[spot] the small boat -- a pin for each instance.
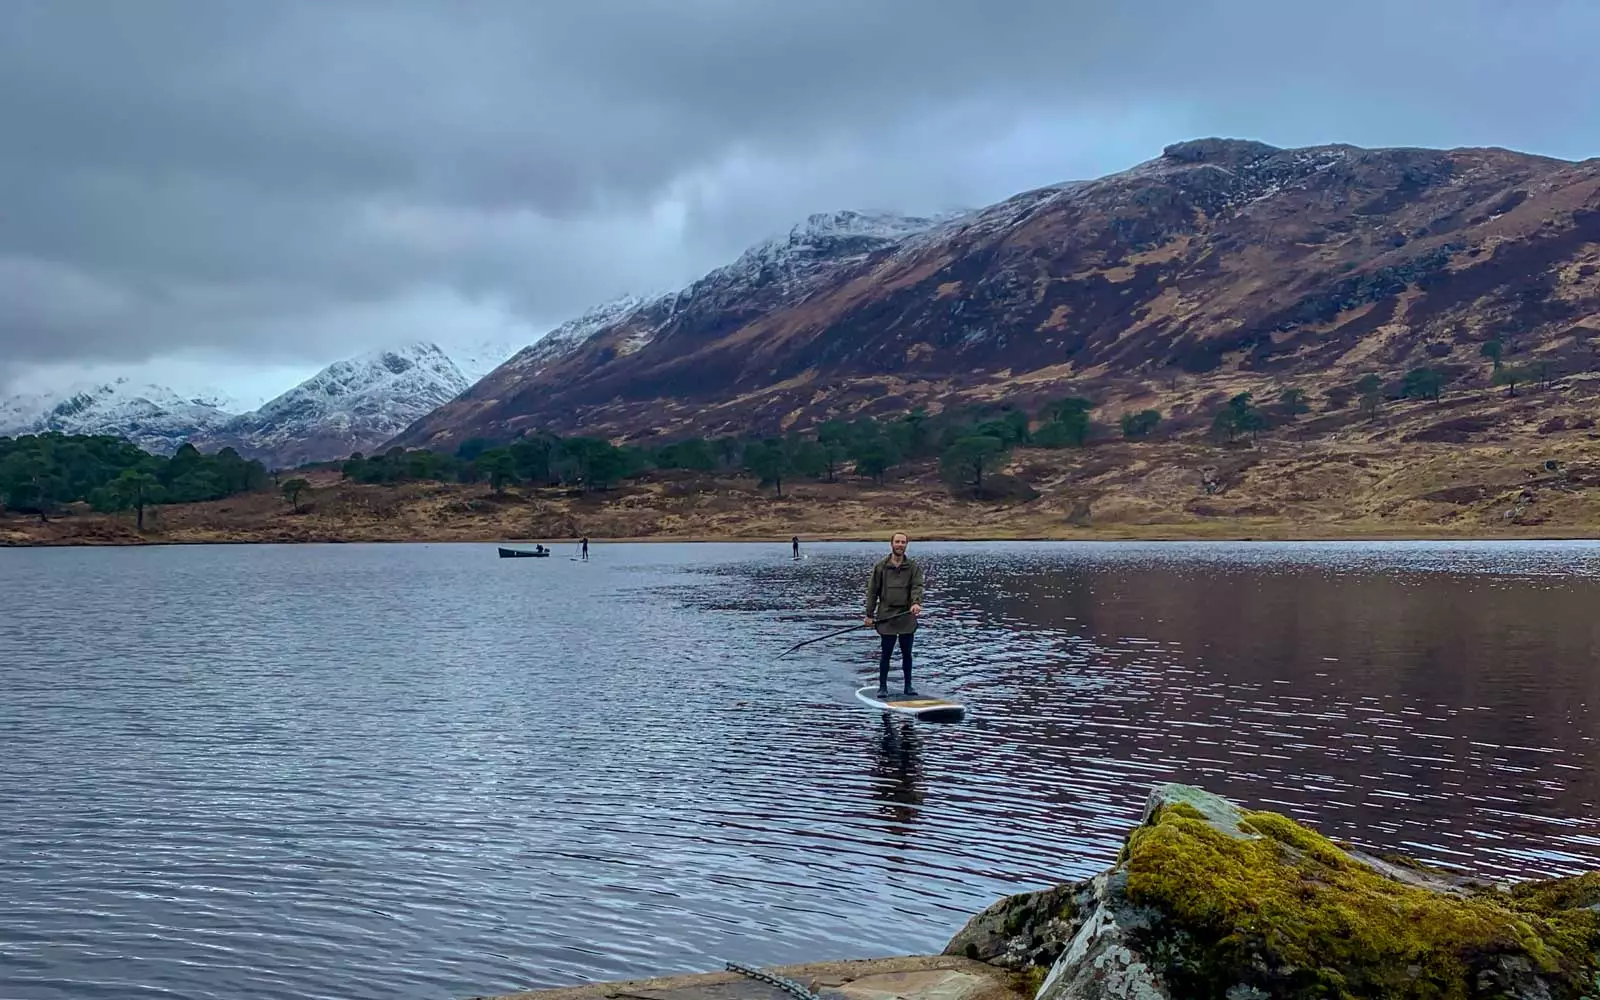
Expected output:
(540, 553)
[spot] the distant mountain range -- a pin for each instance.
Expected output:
(351, 405)
(1229, 262)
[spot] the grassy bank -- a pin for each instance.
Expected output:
(1118, 491)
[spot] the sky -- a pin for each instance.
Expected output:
(230, 194)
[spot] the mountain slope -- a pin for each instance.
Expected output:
(351, 405)
(1229, 261)
(769, 275)
(153, 417)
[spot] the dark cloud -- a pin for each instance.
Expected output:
(289, 179)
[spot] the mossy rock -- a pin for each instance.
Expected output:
(1255, 903)
(1209, 900)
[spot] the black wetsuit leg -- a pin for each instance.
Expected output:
(885, 649)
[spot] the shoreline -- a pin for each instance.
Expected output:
(909, 977)
(1217, 533)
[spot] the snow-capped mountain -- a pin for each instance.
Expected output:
(782, 264)
(669, 328)
(153, 417)
(360, 403)
(480, 357)
(349, 406)
(574, 332)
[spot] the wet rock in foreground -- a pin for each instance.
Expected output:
(1208, 900)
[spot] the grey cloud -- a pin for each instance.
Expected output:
(284, 177)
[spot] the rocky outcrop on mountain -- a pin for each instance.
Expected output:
(1208, 900)
(1218, 257)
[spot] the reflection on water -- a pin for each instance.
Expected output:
(898, 774)
(419, 771)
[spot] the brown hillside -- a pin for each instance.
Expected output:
(1478, 463)
(1220, 265)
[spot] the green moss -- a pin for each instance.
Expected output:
(1031, 979)
(1182, 809)
(1291, 913)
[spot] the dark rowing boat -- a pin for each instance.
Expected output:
(506, 553)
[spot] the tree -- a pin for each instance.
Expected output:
(1141, 424)
(1067, 423)
(808, 458)
(531, 457)
(728, 449)
(500, 466)
(964, 462)
(915, 431)
(605, 464)
(136, 489)
(292, 490)
(873, 458)
(1422, 383)
(695, 454)
(1509, 376)
(1238, 416)
(834, 439)
(769, 460)
(596, 462)
(28, 482)
(1071, 406)
(1494, 350)
(1371, 389)
(1292, 402)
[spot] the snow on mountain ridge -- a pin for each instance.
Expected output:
(572, 334)
(479, 358)
(826, 237)
(348, 406)
(153, 417)
(822, 240)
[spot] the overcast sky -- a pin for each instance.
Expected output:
(237, 192)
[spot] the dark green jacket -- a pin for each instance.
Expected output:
(891, 590)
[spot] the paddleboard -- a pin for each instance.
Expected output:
(922, 707)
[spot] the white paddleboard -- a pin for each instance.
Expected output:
(933, 709)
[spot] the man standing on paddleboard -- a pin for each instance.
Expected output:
(894, 600)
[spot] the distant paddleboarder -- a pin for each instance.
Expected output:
(585, 548)
(894, 591)
(795, 542)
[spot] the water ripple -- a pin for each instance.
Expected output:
(418, 771)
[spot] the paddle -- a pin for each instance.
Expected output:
(830, 635)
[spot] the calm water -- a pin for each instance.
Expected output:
(424, 772)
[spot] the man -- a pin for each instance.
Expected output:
(894, 595)
(585, 548)
(795, 542)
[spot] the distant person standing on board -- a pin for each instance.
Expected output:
(894, 591)
(795, 541)
(585, 548)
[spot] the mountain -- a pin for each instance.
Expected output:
(351, 405)
(480, 357)
(1224, 261)
(153, 417)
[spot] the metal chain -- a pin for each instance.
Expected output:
(787, 985)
